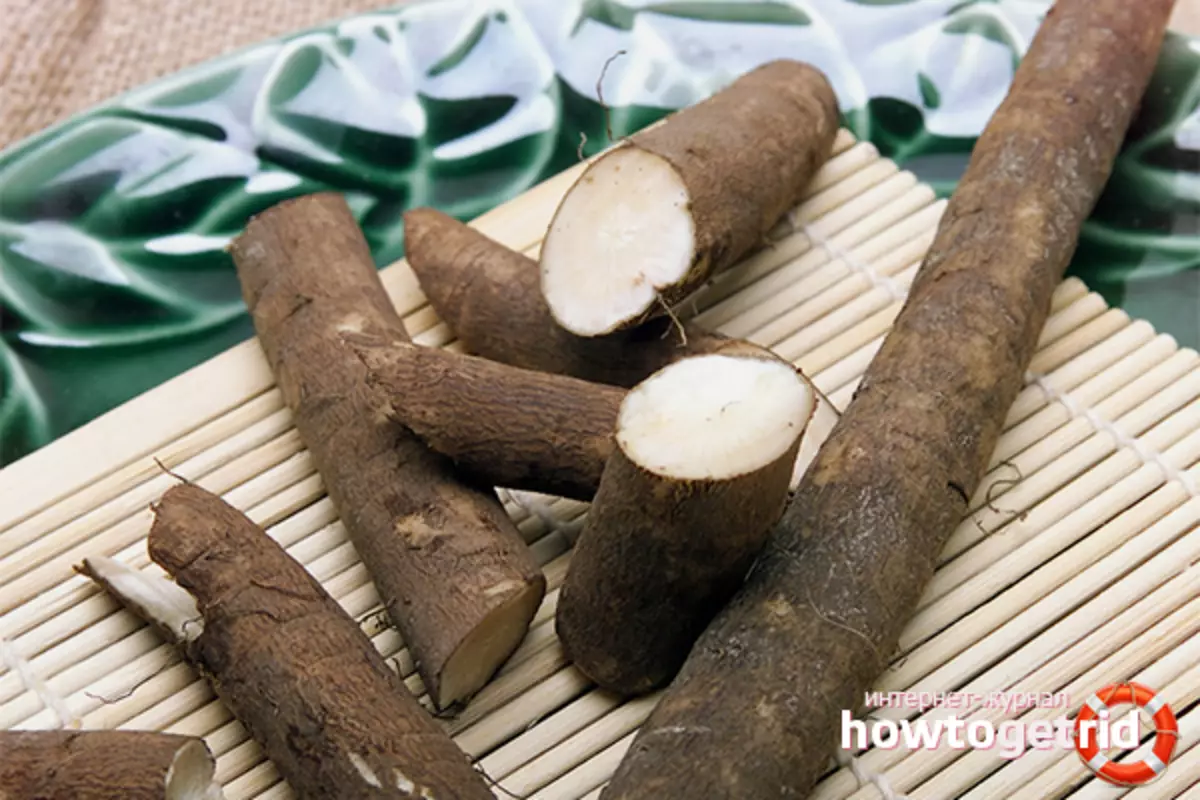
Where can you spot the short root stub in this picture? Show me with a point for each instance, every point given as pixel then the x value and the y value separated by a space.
pixel 706 449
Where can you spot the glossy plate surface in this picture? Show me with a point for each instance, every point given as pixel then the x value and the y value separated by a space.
pixel 113 276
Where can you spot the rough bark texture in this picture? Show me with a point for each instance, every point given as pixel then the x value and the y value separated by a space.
pixel 746 155
pixel 519 428
pixel 753 713
pixel 295 669
pixel 501 425
pixel 443 554
pixel 490 297
pixel 656 559
pixel 98 765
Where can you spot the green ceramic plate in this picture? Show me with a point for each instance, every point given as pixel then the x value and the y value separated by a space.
pixel 112 273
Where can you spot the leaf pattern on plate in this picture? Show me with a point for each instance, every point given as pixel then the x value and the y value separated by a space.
pixel 113 275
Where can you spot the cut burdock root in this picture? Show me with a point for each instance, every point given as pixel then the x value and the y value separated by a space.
pixel 287 660
pixel 648 222
pixel 754 711
pixel 490 297
pixel 103 765
pixel 705 449
pixel 518 428
pixel 450 566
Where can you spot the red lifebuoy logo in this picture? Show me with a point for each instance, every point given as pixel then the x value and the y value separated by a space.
pixel 1095 712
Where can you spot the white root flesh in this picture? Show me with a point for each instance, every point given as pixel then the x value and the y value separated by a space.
pixel 476 657
pixel 192 775
pixel 714 417
pixel 622 234
pixel 152 597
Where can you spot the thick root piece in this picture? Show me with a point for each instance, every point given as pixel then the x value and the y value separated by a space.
pixel 501 425
pixel 705 449
pixel 517 428
pixel 452 569
pixel 103 765
pixel 650 221
pixel 490 297
pixel 289 662
pixel 754 711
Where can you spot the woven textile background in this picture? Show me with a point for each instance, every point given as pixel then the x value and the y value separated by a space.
pixel 59 57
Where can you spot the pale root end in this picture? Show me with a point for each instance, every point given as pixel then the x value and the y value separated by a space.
pixel 486 647
pixel 714 417
pixel 152 597
pixel 622 233
pixel 825 416
pixel 192 775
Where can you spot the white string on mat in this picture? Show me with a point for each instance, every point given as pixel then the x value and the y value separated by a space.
pixel 1146 454
pixel 865 775
pixel 894 288
pixel 32 683
pixel 541 509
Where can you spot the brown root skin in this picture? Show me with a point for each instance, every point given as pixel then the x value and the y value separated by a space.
pixel 656 559
pixel 450 566
pixel 292 666
pixel 490 296
pixel 518 428
pixel 502 425
pixel 105 764
pixel 754 711
pixel 741 159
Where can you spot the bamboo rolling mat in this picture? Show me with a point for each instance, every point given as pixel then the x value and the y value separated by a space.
pixel 1076 568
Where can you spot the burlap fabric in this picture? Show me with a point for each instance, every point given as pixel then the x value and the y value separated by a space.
pixel 58 57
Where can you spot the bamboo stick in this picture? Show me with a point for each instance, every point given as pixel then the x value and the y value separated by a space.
pixel 27 550
pixel 581 747
pixel 1080 474
pixel 195 454
pixel 47 569
pixel 587 776
pixel 1110 393
pixel 1144 658
pixel 1069 773
pixel 95 453
pixel 875 302
pixel 1145 632
pixel 772 295
pixel 828 289
pixel 962 774
pixel 547 698
pixel 557 728
pixel 1004 783
pixel 835 184
pixel 1063 442
pixel 1089 500
pixel 1058 586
